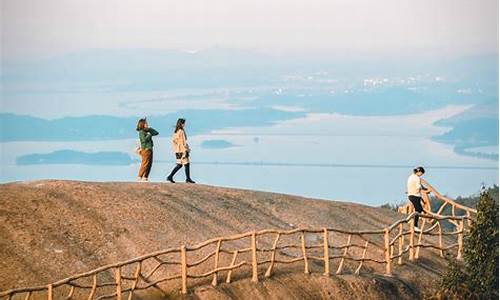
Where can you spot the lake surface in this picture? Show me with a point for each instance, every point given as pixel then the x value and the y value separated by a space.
pixel 368 169
pixel 324 128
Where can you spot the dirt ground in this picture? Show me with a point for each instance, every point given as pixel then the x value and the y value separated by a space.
pixel 52 229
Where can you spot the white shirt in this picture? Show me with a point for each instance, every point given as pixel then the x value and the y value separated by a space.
pixel 413 185
pixel 179 141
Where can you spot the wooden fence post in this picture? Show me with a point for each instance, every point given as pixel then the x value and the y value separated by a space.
pixel 346 249
pixel 362 259
pixel 216 261
pixel 440 231
pixel 184 269
pixel 304 253
pixel 412 237
pixel 417 252
pixel 273 256
pixel 387 249
pixel 50 292
pixel 137 273
pixel 70 295
pixel 401 244
pixel 326 254
pixel 228 279
pixel 460 239
pixel 94 287
pixel 255 276
pixel 118 280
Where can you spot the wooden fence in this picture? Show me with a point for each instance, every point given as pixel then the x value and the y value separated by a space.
pixel 457 209
pixel 258 253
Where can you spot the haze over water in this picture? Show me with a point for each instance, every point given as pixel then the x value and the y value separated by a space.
pixel 330 101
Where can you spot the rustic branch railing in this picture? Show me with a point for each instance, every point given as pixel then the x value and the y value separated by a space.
pixel 464 210
pixel 178 266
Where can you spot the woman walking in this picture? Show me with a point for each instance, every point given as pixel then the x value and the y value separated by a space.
pixel 414 189
pixel 181 150
pixel 146 134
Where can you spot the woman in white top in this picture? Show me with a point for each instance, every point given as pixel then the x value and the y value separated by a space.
pixel 414 188
pixel 181 150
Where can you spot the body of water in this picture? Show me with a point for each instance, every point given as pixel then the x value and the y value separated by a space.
pixel 365 169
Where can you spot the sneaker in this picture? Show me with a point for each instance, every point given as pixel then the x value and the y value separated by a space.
pixel 417 229
pixel 144 179
pixel 189 181
pixel 139 179
pixel 170 179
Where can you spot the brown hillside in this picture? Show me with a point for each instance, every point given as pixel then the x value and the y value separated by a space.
pixel 53 229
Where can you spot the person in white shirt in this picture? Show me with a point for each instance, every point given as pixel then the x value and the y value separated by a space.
pixel 414 188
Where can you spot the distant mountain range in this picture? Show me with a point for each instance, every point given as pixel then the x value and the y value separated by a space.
pixel 146 69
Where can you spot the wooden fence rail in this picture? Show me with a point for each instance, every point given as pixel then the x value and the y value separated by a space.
pixel 388 246
pixel 457 209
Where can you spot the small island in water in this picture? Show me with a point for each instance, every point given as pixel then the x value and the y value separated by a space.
pixel 113 158
pixel 217 144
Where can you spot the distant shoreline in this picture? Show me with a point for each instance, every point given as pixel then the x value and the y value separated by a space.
pixel 325 165
pixel 66 157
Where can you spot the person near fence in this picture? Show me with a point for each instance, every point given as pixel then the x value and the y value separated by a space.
pixel 146 134
pixel 181 151
pixel 414 190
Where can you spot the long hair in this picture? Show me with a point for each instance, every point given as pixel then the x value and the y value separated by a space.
pixel 179 124
pixel 141 124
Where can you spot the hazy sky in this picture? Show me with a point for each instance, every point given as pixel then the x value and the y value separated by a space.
pixel 34 28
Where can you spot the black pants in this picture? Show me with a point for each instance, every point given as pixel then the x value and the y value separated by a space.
pixel 177 168
pixel 417 203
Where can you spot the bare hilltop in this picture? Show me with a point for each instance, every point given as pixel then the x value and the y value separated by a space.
pixel 52 229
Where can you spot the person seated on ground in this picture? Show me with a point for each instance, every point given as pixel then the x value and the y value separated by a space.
pixel 414 190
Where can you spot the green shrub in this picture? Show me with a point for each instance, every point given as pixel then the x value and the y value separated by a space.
pixel 477 276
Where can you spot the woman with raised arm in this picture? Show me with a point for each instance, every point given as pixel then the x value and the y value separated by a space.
pixel 414 189
pixel 146 134
pixel 181 150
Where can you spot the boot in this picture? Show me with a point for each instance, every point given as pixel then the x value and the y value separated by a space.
pixel 171 176
pixel 188 174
